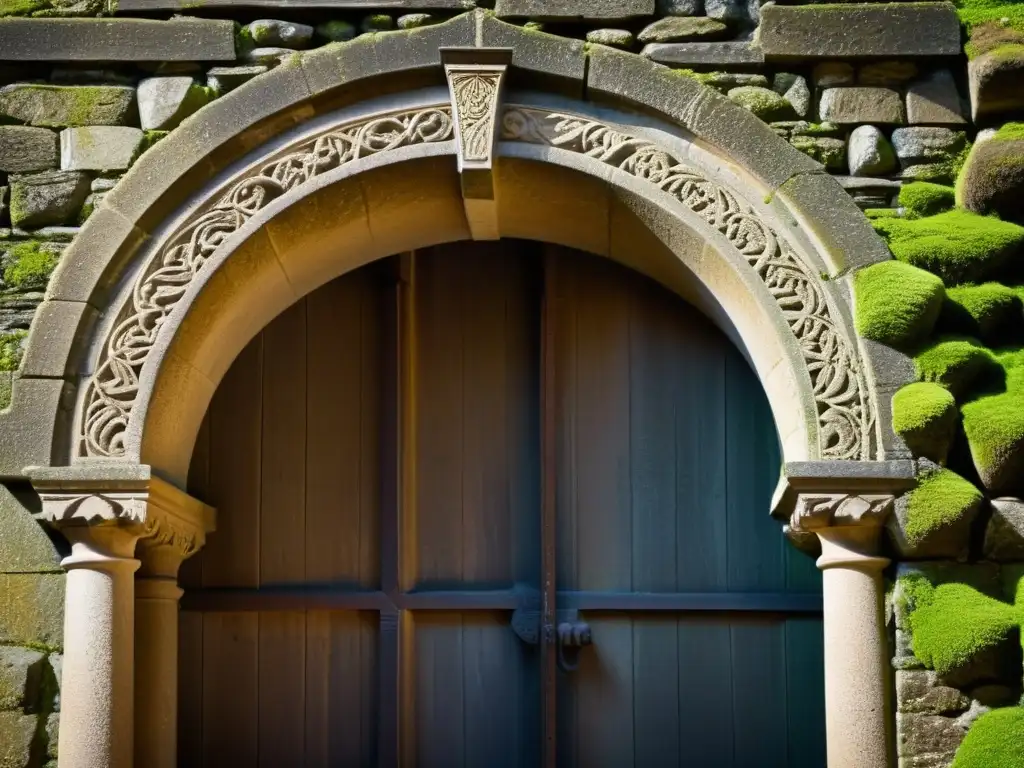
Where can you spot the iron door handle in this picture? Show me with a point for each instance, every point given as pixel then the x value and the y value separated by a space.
pixel 569 635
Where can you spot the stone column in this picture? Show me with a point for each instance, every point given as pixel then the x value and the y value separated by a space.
pixel 104 510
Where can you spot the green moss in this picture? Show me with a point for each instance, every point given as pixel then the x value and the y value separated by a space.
pixel 882 213
pixel 994 741
pixel 29 266
pixel 896 304
pixel 243 40
pixel 84 102
pixel 956 623
pixel 921 198
pixel 957 364
pixel 940 499
pixel 1000 13
pixel 21 7
pixel 762 102
pixel 958 246
pixel 925 416
pixel 11 349
pixel 1010 132
pixel 991 311
pixel 994 423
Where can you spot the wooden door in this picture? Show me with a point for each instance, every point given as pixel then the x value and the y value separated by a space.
pixel 426 467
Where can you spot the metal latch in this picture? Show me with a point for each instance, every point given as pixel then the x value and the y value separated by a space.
pixel 570 633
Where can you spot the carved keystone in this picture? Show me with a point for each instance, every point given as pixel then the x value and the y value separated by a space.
pixel 476 79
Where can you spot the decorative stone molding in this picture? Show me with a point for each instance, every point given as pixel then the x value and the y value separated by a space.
pixel 815 511
pixel 126 496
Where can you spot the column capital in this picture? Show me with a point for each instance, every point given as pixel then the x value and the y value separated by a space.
pixel 122 495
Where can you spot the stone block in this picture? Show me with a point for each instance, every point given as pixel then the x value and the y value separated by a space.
pixel 854 30
pixel 62 106
pixel 225 79
pixel 765 103
pixel 615 38
pixel 851 106
pixel 56 662
pixel 94 39
pixel 282 34
pixel 24 545
pixel 17 732
pixel 52 197
pixel 415 20
pixel 679 7
pixel 728 54
pixel 556 61
pixel 922 734
pixel 1004 536
pixel 20 677
pixel 886 74
pixel 935 101
pixel 24 149
pixel 52 738
pixel 793 88
pixel 99 148
pixel 870 153
pixel 829 74
pixel 165 101
pixel 915 146
pixel 680 29
pixel 32 608
pixel 921 691
pixel 828 151
pixel 567 10
pixel 741 13
pixel 995 80
pixel 267 57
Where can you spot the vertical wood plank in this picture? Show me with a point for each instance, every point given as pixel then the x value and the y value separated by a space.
pixel 706 683
pixel 440 705
pixel 282 696
pixel 805 685
pixel 190 688
pixel 760 729
pixel 230 689
pixel 190 575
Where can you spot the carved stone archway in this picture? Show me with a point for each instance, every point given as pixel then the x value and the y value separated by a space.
pixel 209 237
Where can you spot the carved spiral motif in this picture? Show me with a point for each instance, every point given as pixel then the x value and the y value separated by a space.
pixel 113 391
pixel 845 417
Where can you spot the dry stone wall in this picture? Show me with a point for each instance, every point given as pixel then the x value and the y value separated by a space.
pixel 881 94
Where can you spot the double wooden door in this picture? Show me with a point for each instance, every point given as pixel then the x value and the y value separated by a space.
pixel 495 505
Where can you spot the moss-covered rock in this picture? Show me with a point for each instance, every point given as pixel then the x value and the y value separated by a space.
pixel 828 151
pixel 763 102
pixel 958 364
pixel 922 198
pixel 934 519
pixel 992 180
pixel 12 347
pixel 991 312
pixel 994 741
pixel 925 415
pixel 994 425
pixel 958 246
pixel 896 304
pixel 27 266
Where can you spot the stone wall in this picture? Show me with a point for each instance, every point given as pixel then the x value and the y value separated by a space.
pixel 881 94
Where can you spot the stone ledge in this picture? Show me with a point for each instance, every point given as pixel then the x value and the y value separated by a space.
pixel 116 40
pixel 569 10
pixel 900 30
pixel 703 54
pixel 144 6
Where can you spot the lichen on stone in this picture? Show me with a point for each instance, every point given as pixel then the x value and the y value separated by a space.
pixel 896 304
pixel 925 415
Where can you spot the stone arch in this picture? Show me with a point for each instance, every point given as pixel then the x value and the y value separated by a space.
pixel 763 236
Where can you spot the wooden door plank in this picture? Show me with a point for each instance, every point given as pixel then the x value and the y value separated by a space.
pixel 232 554
pixel 706 685
pixel 656 715
pixel 282 695
pixel 283 476
pixel 805 685
pixel 230 689
pixel 343 431
pixel 439 705
pixel 761 723
pixel 190 688
pixel 190 575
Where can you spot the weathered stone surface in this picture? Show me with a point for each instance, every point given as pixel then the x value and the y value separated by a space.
pixel 79 76
pixel 680 7
pixel 415 20
pixel 1004 536
pixel 268 57
pixel 743 13
pixel 616 38
pixel 920 690
pixel 935 101
pixel 335 31
pixel 921 734
pixel 870 153
pixel 24 149
pixel 726 81
pixel 377 22
pixel 98 148
pixel 283 34
pixel 992 180
pixel 915 146
pixel 836 30
pixel 61 106
pixel 16 734
pixel 829 152
pixel 847 106
pixel 182 39
pixel 703 54
pixel 556 10
pixel 165 101
pixel 681 29
pixel 225 79
pixel 24 547
pixel 20 676
pixel 829 74
pixel 56 662
pixel 887 73
pixel 52 197
pixel 32 608
pixel 793 88
pixel 763 102
pixel 994 80
pixel 52 736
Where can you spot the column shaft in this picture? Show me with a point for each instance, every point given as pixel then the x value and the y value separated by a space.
pixel 156 679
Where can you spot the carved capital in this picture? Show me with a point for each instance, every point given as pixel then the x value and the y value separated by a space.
pixel 815 511
pixel 123 495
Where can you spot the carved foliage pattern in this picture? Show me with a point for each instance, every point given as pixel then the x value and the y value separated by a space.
pixel 844 411
pixel 115 386
pixel 475 97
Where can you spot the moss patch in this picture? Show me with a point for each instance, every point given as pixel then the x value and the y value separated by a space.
pixel 11 350
pixel 941 499
pixel 994 741
pixel 958 246
pixel 29 266
pixel 957 364
pixel 990 23
pixel 763 102
pixel 994 425
pixel 925 416
pixel 922 198
pixel 896 304
pixel 991 311
pixel 21 7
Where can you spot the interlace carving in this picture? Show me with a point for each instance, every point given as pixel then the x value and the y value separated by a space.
pixel 114 388
pixel 845 416
pixel 475 101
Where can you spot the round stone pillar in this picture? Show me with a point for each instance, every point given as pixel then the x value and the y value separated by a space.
pixel 97 680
